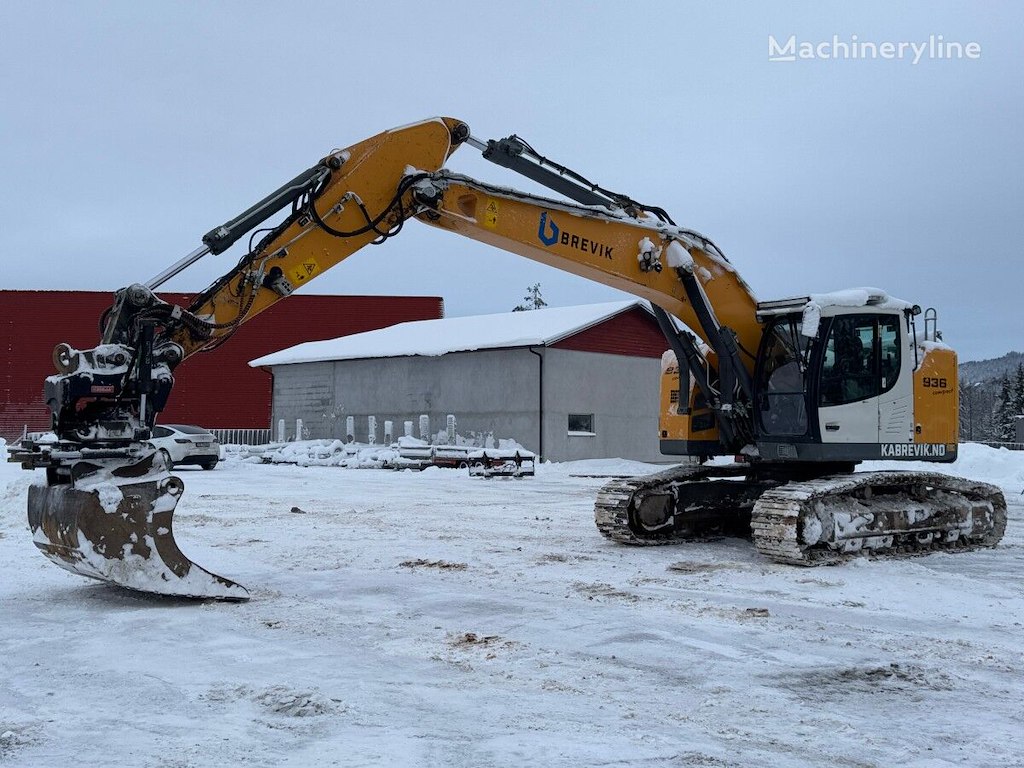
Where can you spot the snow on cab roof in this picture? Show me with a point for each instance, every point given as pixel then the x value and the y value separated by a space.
pixel 535 327
pixel 851 297
pixel 859 297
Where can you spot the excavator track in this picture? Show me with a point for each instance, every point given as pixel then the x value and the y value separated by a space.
pixel 614 501
pixel 807 522
pixel 707 507
pixel 887 514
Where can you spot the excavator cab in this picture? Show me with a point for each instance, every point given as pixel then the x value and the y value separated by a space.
pixel 837 380
pixel 843 384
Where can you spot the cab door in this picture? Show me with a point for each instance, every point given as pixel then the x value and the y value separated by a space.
pixel 896 363
pixel 860 362
pixel 782 384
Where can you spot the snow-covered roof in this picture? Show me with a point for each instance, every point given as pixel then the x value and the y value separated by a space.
pixel 537 327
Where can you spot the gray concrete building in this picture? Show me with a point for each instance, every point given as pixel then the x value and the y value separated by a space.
pixel 567 383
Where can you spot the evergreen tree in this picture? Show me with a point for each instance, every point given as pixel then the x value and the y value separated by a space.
pixel 984 408
pixel 1018 391
pixel 1004 412
pixel 532 299
pixel 1017 409
pixel 966 411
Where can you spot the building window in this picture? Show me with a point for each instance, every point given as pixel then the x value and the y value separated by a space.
pixel 581 424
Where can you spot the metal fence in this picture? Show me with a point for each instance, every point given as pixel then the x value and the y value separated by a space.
pixel 242 436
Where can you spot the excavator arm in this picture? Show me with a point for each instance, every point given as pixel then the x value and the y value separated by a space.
pixel 363 198
pixel 105 510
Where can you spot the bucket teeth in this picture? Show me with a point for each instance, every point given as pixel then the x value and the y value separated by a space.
pixel 113 523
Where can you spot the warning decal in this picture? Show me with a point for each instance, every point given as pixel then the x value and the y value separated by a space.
pixel 491 213
pixel 304 270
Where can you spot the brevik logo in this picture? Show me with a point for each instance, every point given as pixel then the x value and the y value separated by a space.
pixel 550 233
pixel 547 239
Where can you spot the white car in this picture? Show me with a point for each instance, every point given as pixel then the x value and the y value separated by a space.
pixel 184 444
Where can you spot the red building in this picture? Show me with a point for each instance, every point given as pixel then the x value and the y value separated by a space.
pixel 215 390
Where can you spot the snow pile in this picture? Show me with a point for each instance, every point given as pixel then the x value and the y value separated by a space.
pixel 317 453
pixel 284 701
pixel 337 453
pixel 279 700
pixel 603 468
pixel 998 466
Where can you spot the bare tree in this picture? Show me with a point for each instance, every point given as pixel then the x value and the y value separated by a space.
pixel 532 299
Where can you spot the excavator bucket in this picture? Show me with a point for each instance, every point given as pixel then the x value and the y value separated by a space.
pixel 113 523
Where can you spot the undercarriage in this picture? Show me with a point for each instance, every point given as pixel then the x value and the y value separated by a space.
pixel 804 521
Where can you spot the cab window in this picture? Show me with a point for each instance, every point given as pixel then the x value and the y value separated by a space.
pixel 889 334
pixel 861 358
pixel 783 404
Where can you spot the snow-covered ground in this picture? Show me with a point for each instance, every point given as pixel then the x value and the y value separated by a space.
pixel 403 618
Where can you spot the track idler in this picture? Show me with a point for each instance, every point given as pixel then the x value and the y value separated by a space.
pixel 112 522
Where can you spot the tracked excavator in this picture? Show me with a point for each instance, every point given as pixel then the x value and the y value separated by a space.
pixel 798 390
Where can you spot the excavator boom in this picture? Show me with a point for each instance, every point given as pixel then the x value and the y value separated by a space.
pixel 643 256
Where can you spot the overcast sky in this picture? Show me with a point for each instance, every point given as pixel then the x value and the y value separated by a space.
pixel 132 128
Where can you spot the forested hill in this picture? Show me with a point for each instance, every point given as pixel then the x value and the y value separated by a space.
pixel 984 370
pixel 991 398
